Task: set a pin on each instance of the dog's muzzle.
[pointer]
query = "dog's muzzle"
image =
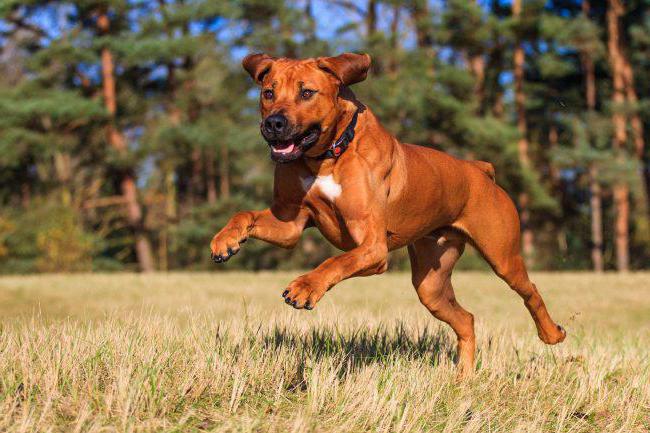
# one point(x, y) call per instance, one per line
point(292, 147)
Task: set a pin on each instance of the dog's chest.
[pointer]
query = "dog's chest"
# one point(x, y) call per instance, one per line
point(324, 186)
point(321, 196)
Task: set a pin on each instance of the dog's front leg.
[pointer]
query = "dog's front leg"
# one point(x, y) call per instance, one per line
point(278, 226)
point(368, 258)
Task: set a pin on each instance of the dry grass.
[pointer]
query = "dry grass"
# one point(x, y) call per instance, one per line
point(222, 352)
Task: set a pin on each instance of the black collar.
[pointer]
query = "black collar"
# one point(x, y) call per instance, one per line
point(339, 146)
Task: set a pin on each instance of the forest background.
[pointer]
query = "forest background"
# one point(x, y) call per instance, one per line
point(129, 132)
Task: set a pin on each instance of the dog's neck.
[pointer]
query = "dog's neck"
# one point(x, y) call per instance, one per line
point(381, 139)
point(323, 166)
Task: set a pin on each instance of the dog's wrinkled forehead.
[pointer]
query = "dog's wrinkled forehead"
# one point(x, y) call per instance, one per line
point(346, 69)
point(295, 74)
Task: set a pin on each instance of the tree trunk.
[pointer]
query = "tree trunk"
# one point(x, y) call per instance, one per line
point(477, 66)
point(371, 34)
point(522, 144)
point(311, 22)
point(420, 15)
point(393, 65)
point(632, 98)
point(25, 194)
point(498, 107)
point(588, 66)
point(116, 140)
point(556, 181)
point(63, 170)
point(637, 129)
point(595, 200)
point(423, 36)
point(621, 189)
point(621, 230)
point(371, 19)
point(491, 85)
point(590, 81)
point(195, 177)
point(224, 177)
point(596, 205)
point(210, 185)
point(175, 118)
point(170, 215)
point(553, 143)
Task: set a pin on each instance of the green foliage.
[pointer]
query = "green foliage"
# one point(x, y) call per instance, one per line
point(46, 237)
point(464, 26)
point(187, 113)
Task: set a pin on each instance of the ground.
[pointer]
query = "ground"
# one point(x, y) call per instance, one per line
point(222, 352)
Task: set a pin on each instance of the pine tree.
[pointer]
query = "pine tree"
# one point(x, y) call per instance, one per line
point(621, 189)
point(49, 149)
point(468, 32)
point(522, 144)
point(588, 51)
point(117, 141)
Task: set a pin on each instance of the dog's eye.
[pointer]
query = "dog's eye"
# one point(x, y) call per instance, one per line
point(267, 94)
point(307, 93)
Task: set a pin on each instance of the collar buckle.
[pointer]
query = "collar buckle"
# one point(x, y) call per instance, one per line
point(339, 146)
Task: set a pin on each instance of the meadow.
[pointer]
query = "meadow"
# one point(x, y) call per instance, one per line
point(221, 352)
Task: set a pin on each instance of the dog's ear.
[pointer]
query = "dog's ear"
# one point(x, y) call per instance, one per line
point(349, 68)
point(257, 65)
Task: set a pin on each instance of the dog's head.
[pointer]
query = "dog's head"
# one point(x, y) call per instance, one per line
point(299, 100)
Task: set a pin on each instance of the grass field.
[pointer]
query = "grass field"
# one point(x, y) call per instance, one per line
point(222, 352)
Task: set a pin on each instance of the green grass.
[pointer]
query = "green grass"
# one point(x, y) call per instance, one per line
point(222, 352)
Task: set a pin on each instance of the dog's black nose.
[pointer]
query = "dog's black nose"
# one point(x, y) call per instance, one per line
point(275, 124)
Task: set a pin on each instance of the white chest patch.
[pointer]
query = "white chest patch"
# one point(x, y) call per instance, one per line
point(328, 186)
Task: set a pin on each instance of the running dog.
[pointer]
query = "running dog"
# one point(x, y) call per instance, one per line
point(339, 170)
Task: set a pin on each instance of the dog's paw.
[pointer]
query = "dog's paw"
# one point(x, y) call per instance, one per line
point(557, 335)
point(226, 244)
point(302, 293)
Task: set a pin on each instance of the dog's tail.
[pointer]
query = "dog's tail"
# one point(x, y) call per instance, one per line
point(486, 168)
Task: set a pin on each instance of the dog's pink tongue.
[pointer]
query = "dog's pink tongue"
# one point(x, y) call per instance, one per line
point(285, 150)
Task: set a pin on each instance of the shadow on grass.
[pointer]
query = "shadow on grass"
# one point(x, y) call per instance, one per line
point(358, 347)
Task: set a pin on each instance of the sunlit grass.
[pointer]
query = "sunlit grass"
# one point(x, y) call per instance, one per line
point(222, 352)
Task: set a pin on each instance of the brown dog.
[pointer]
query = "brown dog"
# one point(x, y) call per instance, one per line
point(341, 171)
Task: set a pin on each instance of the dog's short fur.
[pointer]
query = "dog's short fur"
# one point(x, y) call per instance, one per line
point(377, 196)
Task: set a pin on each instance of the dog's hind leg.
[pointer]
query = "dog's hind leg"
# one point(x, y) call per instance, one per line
point(494, 230)
point(432, 262)
point(513, 271)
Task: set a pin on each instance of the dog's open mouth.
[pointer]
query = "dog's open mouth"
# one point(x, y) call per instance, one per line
point(288, 150)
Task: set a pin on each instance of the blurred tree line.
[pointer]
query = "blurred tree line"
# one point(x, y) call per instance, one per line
point(129, 133)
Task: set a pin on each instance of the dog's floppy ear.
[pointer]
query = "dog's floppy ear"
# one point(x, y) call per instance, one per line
point(257, 65)
point(349, 68)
